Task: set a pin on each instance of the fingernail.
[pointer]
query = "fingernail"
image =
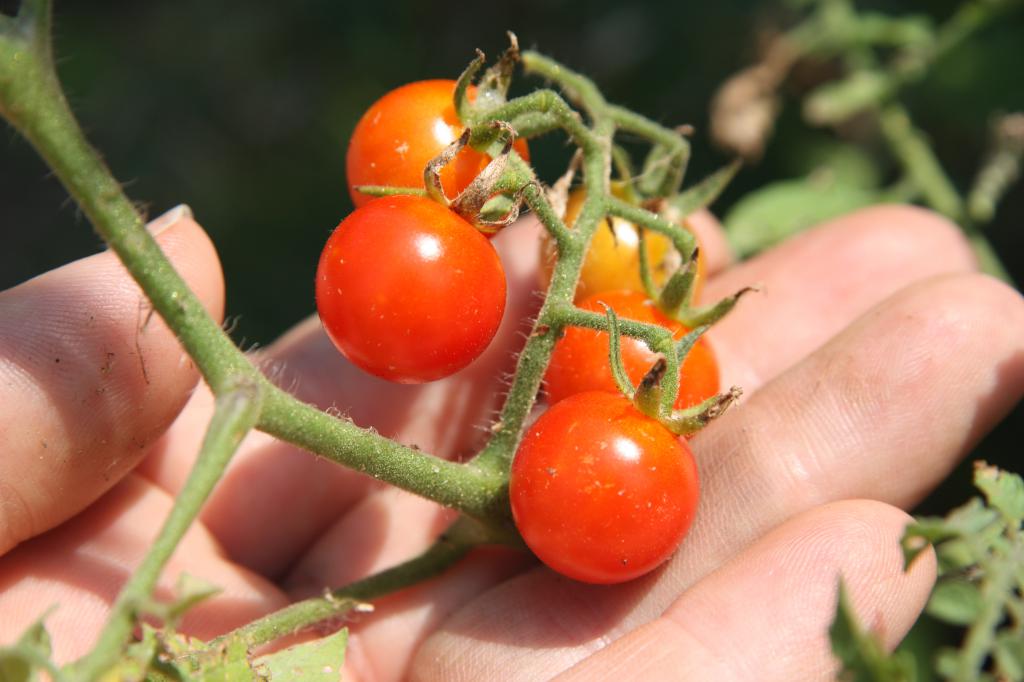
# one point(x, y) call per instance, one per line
point(158, 225)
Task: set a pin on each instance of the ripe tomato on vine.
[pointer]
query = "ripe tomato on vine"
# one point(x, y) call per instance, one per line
point(402, 131)
point(601, 492)
point(409, 291)
point(580, 359)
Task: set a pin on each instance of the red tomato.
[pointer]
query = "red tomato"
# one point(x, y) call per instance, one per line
point(408, 290)
point(402, 131)
point(601, 492)
point(580, 359)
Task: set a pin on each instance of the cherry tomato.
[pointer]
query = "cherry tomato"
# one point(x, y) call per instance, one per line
point(580, 359)
point(613, 260)
point(408, 290)
point(601, 492)
point(404, 130)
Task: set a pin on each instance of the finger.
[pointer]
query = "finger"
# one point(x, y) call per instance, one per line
point(883, 411)
point(814, 284)
point(778, 598)
point(713, 243)
point(89, 378)
point(80, 567)
point(447, 418)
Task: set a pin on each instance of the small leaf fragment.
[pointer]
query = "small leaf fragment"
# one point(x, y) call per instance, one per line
point(955, 601)
point(862, 654)
point(1004, 490)
point(316, 661)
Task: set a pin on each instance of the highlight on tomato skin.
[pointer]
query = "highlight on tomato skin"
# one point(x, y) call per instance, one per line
point(580, 361)
point(409, 291)
point(402, 131)
point(601, 492)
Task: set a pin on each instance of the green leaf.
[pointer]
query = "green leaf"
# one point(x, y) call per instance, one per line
point(1009, 656)
point(955, 601)
point(1003, 490)
point(316, 661)
point(706, 191)
point(777, 211)
point(955, 555)
point(20, 663)
point(849, 164)
point(229, 664)
point(947, 662)
point(973, 518)
point(862, 654)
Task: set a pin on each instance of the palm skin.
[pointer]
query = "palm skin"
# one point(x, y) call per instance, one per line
point(872, 360)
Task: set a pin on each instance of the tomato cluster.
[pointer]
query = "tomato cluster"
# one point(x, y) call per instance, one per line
point(406, 288)
point(411, 292)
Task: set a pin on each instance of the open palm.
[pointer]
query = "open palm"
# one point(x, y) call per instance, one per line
point(872, 360)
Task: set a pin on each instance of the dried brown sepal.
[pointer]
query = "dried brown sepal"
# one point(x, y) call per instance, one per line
point(472, 199)
point(491, 225)
point(492, 91)
point(692, 420)
point(432, 173)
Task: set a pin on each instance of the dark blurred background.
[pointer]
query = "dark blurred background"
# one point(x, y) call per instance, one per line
point(243, 110)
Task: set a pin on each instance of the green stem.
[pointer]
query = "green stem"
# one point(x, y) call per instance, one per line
point(656, 337)
point(915, 154)
point(452, 546)
point(666, 164)
point(578, 88)
point(465, 487)
point(920, 164)
point(980, 636)
point(533, 359)
point(683, 239)
point(234, 416)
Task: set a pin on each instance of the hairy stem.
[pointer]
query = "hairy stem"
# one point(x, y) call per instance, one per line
point(234, 416)
point(448, 549)
point(465, 487)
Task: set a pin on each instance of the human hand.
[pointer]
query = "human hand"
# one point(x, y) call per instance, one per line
point(872, 361)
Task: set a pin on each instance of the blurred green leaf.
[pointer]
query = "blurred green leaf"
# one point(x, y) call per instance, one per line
point(955, 555)
point(1003, 490)
point(316, 661)
point(955, 601)
point(1009, 656)
point(769, 215)
point(849, 164)
point(19, 663)
point(862, 654)
point(230, 664)
point(706, 191)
